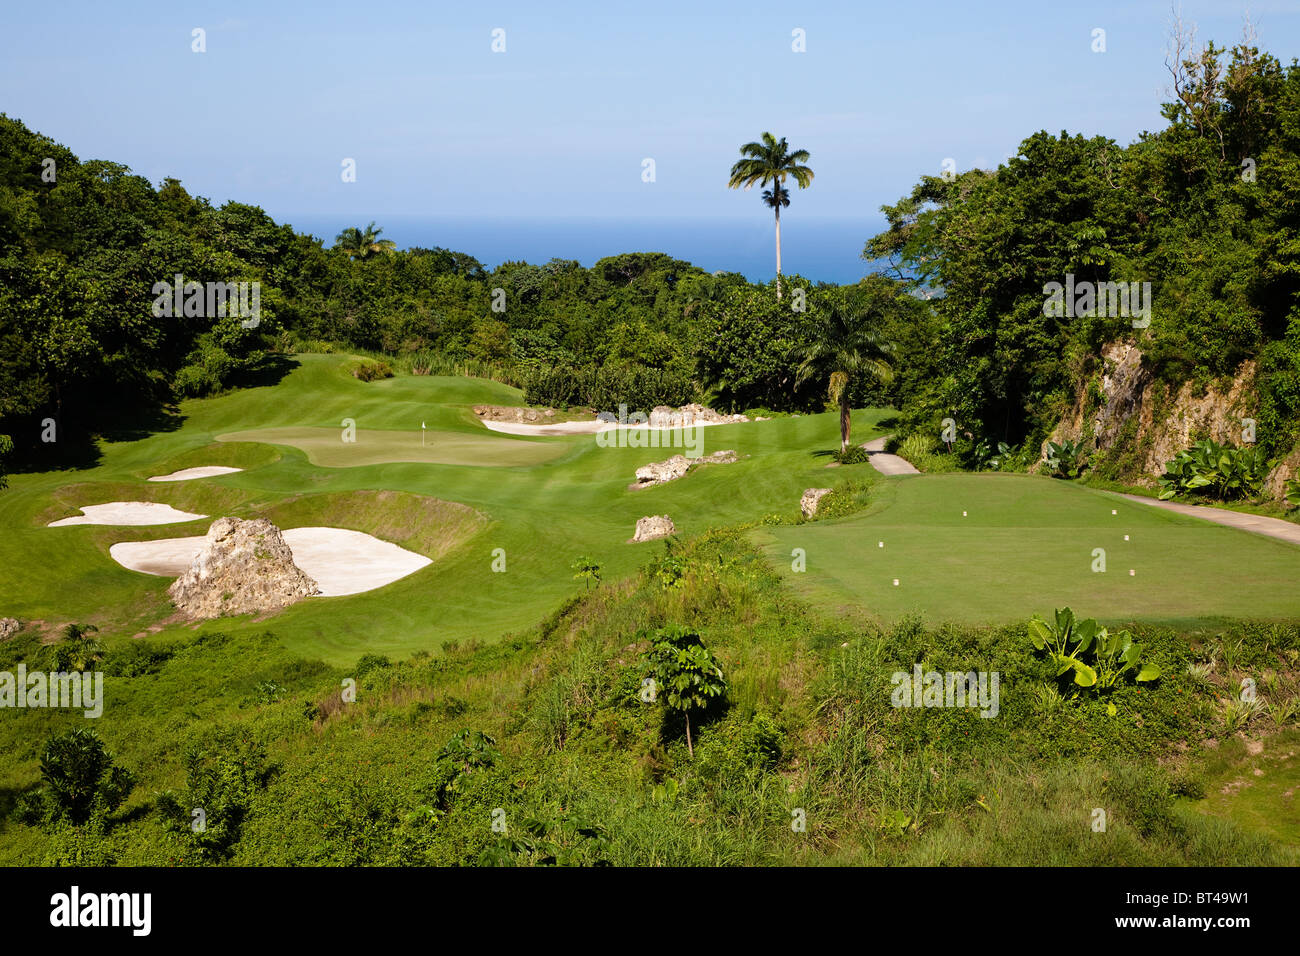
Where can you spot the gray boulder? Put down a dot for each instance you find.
(652, 527)
(245, 567)
(811, 499)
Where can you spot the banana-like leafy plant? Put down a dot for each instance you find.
(1219, 471)
(1292, 492)
(1065, 459)
(1091, 654)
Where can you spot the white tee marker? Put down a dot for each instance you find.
(895, 582)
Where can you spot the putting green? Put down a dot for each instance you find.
(1026, 545)
(326, 447)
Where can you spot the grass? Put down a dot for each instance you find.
(1257, 790)
(590, 771)
(324, 446)
(1026, 543)
(541, 515)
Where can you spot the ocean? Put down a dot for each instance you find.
(826, 250)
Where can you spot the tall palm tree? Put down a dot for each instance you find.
(844, 347)
(359, 244)
(770, 162)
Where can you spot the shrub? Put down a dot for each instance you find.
(1217, 471)
(80, 778)
(853, 455)
(640, 389)
(369, 371)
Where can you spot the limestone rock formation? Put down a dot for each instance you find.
(244, 567)
(811, 499)
(9, 626)
(657, 472)
(664, 416)
(654, 526)
(1137, 411)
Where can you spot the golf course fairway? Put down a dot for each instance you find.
(993, 548)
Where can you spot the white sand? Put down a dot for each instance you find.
(189, 474)
(128, 512)
(340, 561)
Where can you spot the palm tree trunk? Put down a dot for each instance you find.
(846, 423)
(778, 250)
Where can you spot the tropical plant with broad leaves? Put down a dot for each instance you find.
(1003, 457)
(1291, 492)
(1217, 471)
(687, 678)
(1065, 459)
(78, 651)
(770, 162)
(843, 347)
(363, 243)
(1091, 654)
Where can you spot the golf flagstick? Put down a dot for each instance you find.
(422, 426)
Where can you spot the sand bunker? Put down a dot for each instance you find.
(341, 561)
(128, 512)
(582, 428)
(189, 474)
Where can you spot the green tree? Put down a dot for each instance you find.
(845, 347)
(361, 244)
(771, 162)
(587, 569)
(687, 678)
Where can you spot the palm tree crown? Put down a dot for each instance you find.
(359, 244)
(844, 347)
(772, 162)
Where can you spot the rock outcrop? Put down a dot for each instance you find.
(811, 499)
(656, 473)
(1288, 467)
(1128, 411)
(664, 416)
(9, 626)
(654, 526)
(245, 567)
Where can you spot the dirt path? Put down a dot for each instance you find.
(1257, 524)
(887, 464)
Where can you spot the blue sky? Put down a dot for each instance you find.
(558, 125)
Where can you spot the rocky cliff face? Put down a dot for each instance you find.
(1148, 422)
(245, 567)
